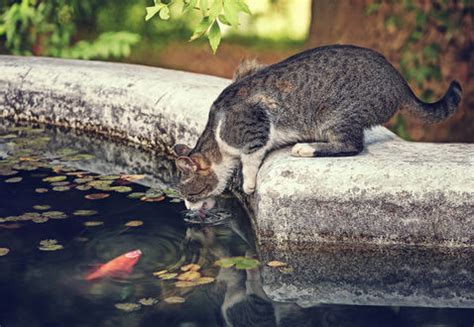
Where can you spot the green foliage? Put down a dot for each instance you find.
(49, 28)
(213, 13)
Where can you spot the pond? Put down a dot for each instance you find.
(70, 203)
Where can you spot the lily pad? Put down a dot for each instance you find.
(54, 214)
(63, 183)
(148, 301)
(134, 223)
(4, 251)
(136, 195)
(101, 185)
(238, 262)
(168, 276)
(159, 273)
(93, 223)
(128, 307)
(41, 207)
(204, 280)
(84, 213)
(158, 199)
(61, 188)
(41, 190)
(14, 180)
(171, 193)
(191, 267)
(189, 276)
(174, 300)
(121, 189)
(53, 179)
(83, 187)
(97, 196)
(50, 245)
(82, 180)
(40, 220)
(153, 193)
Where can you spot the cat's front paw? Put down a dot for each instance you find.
(249, 188)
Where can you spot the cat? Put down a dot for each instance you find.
(320, 101)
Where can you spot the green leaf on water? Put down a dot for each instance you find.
(50, 245)
(14, 180)
(54, 214)
(53, 179)
(41, 207)
(4, 251)
(84, 212)
(136, 195)
(238, 262)
(121, 189)
(61, 188)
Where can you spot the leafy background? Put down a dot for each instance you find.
(431, 42)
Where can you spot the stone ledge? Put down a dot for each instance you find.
(395, 193)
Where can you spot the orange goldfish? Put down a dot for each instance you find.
(119, 267)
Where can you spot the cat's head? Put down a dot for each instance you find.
(198, 182)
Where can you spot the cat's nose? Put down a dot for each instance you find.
(206, 204)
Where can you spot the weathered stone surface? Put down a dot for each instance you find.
(396, 195)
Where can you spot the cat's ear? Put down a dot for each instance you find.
(186, 165)
(181, 150)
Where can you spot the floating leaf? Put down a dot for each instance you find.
(101, 185)
(8, 172)
(8, 136)
(109, 177)
(82, 180)
(83, 187)
(50, 245)
(204, 280)
(191, 267)
(41, 190)
(153, 193)
(4, 251)
(84, 213)
(176, 200)
(40, 220)
(93, 223)
(189, 276)
(148, 301)
(41, 207)
(54, 214)
(61, 188)
(171, 193)
(135, 195)
(147, 199)
(132, 178)
(121, 189)
(128, 307)
(159, 273)
(63, 183)
(276, 264)
(97, 196)
(168, 276)
(238, 262)
(53, 179)
(183, 283)
(134, 223)
(14, 180)
(174, 299)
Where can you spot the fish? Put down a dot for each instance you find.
(120, 266)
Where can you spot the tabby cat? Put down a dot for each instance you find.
(320, 101)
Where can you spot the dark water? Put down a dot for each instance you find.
(47, 288)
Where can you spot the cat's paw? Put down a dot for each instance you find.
(302, 150)
(249, 188)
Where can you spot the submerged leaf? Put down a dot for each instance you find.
(174, 299)
(84, 212)
(134, 223)
(4, 251)
(128, 307)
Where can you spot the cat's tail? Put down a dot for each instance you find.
(440, 110)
